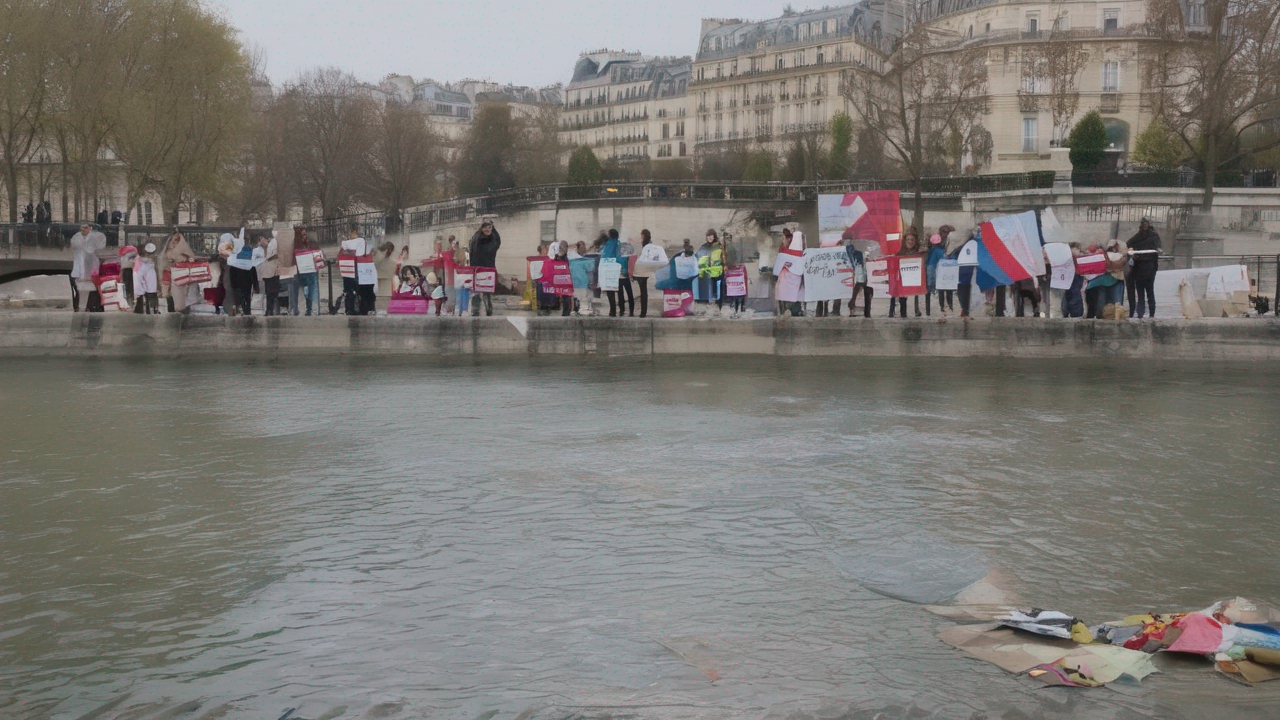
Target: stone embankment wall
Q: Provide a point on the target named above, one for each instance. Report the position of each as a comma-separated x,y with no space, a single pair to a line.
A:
44,334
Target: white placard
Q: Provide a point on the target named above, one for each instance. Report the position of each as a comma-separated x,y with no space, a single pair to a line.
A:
610,273
366,273
947,276
911,272
827,274
968,254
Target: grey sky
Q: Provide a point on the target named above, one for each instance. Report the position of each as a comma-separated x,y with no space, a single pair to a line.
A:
519,41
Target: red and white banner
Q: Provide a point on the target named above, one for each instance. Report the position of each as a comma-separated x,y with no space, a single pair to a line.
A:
347,266
1011,248
464,277
873,217
1094,264
908,279
486,280
878,274
190,273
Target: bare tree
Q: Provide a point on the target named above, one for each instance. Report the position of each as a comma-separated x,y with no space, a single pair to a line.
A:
405,159
1217,81
542,154
26,66
1050,74
915,99
329,138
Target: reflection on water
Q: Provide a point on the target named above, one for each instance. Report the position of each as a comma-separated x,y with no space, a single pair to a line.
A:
704,538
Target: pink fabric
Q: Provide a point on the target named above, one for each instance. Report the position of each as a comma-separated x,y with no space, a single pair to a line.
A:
1201,635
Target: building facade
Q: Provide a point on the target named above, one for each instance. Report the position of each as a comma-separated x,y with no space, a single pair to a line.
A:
628,107
767,83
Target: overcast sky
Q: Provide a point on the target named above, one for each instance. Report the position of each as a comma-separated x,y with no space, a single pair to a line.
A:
519,41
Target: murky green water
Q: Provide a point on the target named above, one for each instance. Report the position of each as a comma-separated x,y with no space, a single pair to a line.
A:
630,539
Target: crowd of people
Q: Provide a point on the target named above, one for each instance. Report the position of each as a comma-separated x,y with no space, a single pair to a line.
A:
461,279
1130,266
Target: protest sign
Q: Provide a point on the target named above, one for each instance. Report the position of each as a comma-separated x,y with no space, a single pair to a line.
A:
610,274
909,278
827,274
735,281
878,273
486,280
968,254
948,275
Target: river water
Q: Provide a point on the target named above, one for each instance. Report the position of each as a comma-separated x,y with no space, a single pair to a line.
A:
702,538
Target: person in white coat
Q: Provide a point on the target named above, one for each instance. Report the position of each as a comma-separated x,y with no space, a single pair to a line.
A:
145,282
85,246
359,297
652,257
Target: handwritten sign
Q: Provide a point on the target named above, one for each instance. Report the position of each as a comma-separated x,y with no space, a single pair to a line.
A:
827,274
609,275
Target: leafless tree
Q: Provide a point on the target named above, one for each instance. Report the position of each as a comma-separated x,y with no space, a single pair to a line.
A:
26,68
405,159
914,99
1216,82
1050,74
329,138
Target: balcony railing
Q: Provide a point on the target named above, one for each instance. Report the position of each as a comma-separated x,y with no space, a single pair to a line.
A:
1110,102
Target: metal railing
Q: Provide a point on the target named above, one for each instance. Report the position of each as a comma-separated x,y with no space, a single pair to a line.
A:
1172,179
57,236
459,210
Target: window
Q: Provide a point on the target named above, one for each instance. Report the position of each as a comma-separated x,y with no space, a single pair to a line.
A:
1111,76
682,150
1196,14
778,64
1030,135
1110,20
1033,22
1063,22
548,230
988,30
666,130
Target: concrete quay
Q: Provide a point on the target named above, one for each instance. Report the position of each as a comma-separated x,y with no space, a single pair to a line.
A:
60,334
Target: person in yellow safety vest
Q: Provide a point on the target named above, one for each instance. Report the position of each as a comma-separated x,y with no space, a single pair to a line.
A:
711,269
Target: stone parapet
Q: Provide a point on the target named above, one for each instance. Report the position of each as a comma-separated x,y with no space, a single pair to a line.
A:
60,334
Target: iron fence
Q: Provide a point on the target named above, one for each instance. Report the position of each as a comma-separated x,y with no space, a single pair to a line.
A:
1264,270
1173,179
457,210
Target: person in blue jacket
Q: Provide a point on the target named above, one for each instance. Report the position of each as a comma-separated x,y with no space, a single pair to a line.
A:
612,251
937,253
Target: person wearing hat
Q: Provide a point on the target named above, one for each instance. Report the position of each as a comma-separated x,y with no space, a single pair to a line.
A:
484,254
1144,248
84,264
145,283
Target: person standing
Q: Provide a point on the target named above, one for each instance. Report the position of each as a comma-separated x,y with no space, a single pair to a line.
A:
611,250
269,274
714,268
85,246
29,214
462,302
386,265
1145,248
240,268
626,294
910,248
354,246
176,250
937,253
484,254
308,283
651,256
145,285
